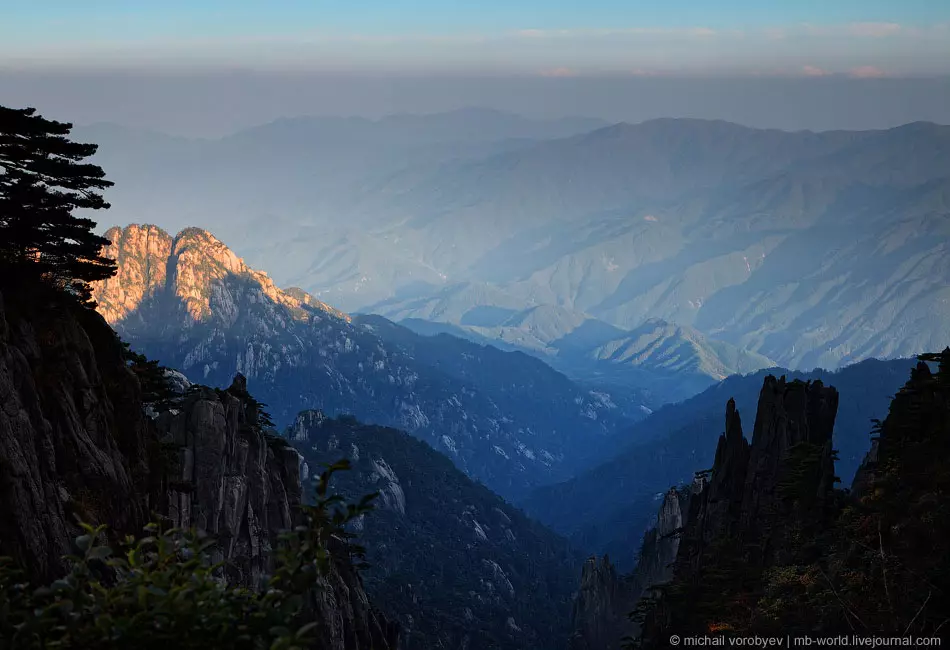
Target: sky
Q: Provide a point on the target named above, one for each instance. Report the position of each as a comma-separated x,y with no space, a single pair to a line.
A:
543,37
210,67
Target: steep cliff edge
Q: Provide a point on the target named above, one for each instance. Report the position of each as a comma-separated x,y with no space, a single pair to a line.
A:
77,442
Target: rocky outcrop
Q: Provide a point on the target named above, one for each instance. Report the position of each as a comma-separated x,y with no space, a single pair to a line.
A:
747,501
189,266
77,442
227,479
748,493
661,543
750,510
600,619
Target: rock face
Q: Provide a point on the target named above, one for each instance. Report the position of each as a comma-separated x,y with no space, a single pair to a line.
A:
73,438
746,501
150,262
75,441
597,618
227,480
191,303
600,618
746,495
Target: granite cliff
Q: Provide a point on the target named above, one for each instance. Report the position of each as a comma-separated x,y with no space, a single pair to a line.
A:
77,441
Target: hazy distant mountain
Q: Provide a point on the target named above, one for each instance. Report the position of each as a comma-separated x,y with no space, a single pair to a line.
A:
504,418
305,169
810,249
667,362
805,248
607,508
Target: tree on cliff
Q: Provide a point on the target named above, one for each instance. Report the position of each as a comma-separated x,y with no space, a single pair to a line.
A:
43,179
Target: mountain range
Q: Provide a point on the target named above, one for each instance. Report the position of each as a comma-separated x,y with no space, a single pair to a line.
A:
505,418
806,249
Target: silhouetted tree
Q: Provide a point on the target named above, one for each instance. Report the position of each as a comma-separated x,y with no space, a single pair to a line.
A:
42,181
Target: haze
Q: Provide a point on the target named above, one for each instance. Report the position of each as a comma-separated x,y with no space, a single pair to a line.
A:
208,69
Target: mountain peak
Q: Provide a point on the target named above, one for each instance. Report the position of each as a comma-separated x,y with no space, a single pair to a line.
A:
192,266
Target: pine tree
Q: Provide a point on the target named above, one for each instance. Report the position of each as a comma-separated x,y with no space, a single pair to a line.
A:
42,181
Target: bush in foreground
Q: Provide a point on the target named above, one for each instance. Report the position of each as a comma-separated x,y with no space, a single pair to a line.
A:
162,590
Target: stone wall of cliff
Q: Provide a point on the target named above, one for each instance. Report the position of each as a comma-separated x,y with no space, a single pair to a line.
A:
77,442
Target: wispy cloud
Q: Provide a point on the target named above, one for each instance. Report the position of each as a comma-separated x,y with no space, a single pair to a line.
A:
867,72
620,31
814,71
559,72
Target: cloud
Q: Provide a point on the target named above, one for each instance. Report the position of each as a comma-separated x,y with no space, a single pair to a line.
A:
559,72
875,30
867,72
619,31
814,71
868,30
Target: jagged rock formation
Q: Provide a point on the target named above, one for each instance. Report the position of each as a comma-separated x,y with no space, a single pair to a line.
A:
76,440
191,303
796,557
454,564
661,543
225,478
602,606
150,261
598,616
751,510
745,502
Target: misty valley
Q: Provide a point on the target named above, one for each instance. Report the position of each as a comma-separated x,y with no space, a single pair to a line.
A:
477,378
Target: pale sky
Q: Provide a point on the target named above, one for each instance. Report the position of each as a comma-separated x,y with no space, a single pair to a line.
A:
543,37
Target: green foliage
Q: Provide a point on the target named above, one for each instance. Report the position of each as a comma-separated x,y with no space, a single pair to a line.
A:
162,591
42,182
